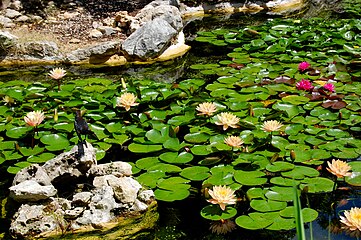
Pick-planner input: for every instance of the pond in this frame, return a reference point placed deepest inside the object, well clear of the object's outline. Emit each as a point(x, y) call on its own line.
point(250, 120)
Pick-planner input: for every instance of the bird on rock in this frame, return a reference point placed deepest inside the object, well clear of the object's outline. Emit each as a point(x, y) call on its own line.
point(81, 126)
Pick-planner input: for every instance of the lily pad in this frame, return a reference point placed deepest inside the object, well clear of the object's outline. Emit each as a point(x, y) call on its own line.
point(215, 213)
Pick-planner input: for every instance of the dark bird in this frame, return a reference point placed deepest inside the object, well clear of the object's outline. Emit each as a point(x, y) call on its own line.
point(81, 126)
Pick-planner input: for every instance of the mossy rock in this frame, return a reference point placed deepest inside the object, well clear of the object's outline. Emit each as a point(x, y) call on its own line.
point(132, 226)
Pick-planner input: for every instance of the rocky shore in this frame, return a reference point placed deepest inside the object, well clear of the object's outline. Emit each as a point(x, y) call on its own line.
point(73, 32)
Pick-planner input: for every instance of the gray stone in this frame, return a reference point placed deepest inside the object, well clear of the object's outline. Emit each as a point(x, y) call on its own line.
point(68, 166)
point(31, 191)
point(94, 33)
point(118, 169)
point(46, 50)
point(139, 206)
point(7, 40)
point(6, 22)
point(168, 13)
point(125, 188)
point(32, 219)
point(82, 198)
point(94, 217)
point(104, 198)
point(146, 196)
point(107, 30)
point(73, 213)
point(22, 19)
point(33, 172)
point(98, 53)
point(11, 13)
point(16, 5)
point(150, 40)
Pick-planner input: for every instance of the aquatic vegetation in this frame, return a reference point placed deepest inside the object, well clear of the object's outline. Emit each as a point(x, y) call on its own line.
point(222, 195)
point(206, 108)
point(34, 118)
point(304, 85)
point(352, 221)
point(57, 74)
point(339, 168)
point(303, 66)
point(233, 141)
point(271, 126)
point(127, 100)
point(227, 120)
point(173, 150)
point(329, 87)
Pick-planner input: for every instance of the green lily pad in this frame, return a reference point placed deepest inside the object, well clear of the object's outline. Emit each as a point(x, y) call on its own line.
point(280, 166)
point(55, 142)
point(44, 157)
point(196, 137)
point(171, 196)
point(143, 148)
point(317, 184)
point(256, 220)
point(215, 213)
point(150, 179)
point(267, 205)
point(30, 151)
point(195, 173)
point(308, 214)
point(250, 178)
point(18, 132)
point(174, 157)
point(145, 163)
point(168, 168)
point(300, 172)
point(295, 99)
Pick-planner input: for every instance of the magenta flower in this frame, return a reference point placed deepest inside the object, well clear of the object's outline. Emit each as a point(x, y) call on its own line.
point(329, 87)
point(303, 66)
point(304, 85)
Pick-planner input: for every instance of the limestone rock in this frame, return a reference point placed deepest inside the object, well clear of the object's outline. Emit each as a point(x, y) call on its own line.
point(68, 166)
point(33, 172)
point(32, 219)
point(150, 40)
point(158, 9)
point(46, 50)
point(94, 33)
point(82, 198)
point(118, 169)
point(98, 53)
point(6, 22)
point(31, 191)
point(7, 40)
point(11, 13)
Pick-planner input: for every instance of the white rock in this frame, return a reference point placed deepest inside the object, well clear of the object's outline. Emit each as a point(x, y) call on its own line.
point(31, 191)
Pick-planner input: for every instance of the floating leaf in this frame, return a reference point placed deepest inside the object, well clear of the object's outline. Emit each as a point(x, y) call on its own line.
point(195, 173)
point(215, 213)
point(143, 148)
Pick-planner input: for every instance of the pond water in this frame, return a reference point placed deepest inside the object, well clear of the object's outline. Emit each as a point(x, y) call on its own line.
point(249, 69)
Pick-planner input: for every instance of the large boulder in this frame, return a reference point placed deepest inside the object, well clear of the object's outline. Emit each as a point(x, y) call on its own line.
point(150, 40)
point(31, 191)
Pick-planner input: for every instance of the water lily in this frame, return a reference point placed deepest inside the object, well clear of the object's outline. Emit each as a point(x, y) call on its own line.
point(227, 120)
point(271, 126)
point(304, 85)
point(34, 118)
point(339, 168)
point(234, 141)
point(303, 66)
point(223, 196)
point(57, 73)
point(352, 219)
point(222, 226)
point(127, 100)
point(206, 108)
point(8, 100)
point(329, 87)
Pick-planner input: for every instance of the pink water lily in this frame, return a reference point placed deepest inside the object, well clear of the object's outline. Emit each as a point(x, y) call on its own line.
point(304, 85)
point(303, 66)
point(329, 87)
